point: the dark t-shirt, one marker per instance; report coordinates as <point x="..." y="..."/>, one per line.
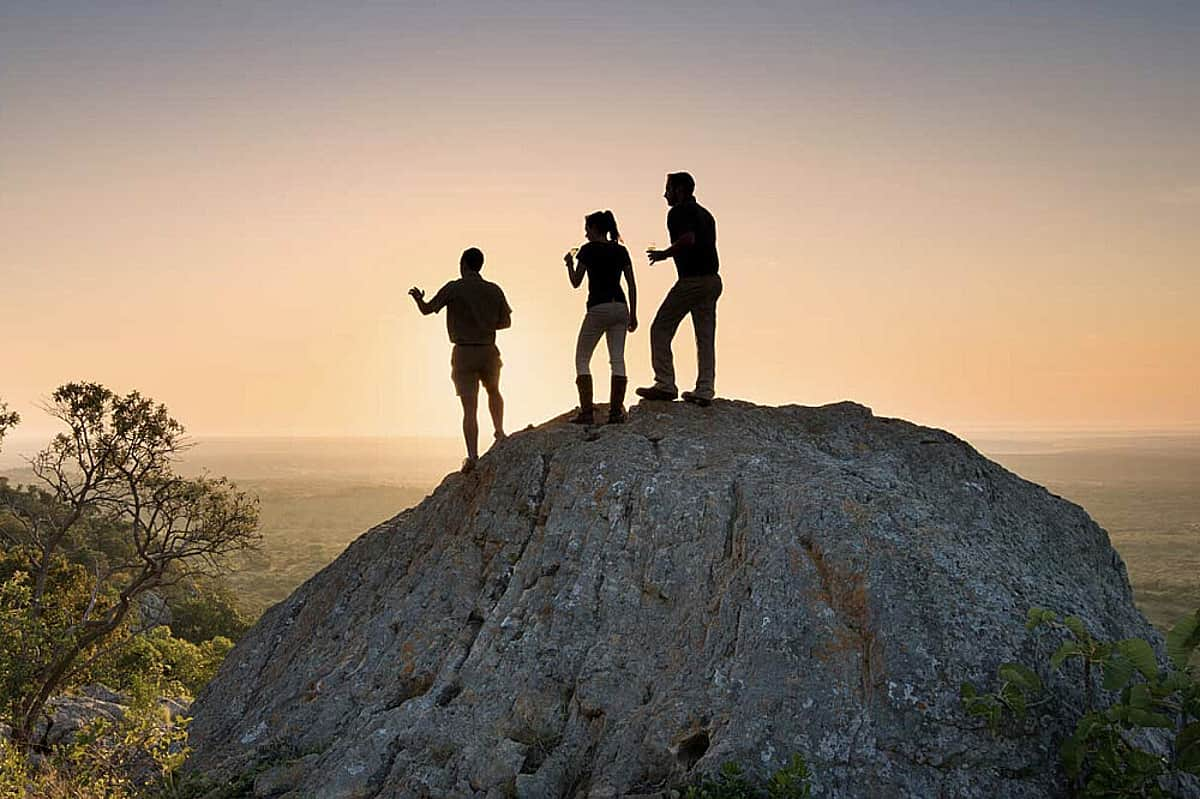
<point x="700" y="258"/>
<point x="475" y="310"/>
<point x="604" y="261"/>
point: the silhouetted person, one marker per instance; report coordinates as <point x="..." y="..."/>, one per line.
<point x="694" y="247"/>
<point x="604" y="259"/>
<point x="475" y="310"/>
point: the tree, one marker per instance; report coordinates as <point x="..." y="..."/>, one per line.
<point x="8" y="419"/>
<point x="108" y="522"/>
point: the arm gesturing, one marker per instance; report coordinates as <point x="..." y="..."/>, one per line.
<point x="682" y="243"/>
<point x="419" y="297"/>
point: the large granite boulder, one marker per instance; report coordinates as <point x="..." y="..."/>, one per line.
<point x="605" y="612"/>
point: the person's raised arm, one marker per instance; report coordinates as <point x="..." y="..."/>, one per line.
<point x="418" y="296"/>
<point x="575" y="270"/>
<point x="431" y="306"/>
<point x="632" y="283"/>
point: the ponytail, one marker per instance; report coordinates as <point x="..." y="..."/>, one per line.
<point x="606" y="222"/>
<point x="613" y="233"/>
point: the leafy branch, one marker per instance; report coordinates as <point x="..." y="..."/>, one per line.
<point x="1103" y="757"/>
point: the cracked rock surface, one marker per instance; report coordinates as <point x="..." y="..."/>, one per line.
<point x="604" y="612"/>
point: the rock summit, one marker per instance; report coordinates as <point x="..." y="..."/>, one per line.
<point x="606" y="612"/>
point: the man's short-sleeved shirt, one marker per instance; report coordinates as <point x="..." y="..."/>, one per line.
<point x="604" y="261"/>
<point x="701" y="258"/>
<point x="475" y="310"/>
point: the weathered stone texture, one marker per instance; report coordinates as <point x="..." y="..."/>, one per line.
<point x="600" y="613"/>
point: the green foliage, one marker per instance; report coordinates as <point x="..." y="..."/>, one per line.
<point x="789" y="782"/>
<point x="29" y="639"/>
<point x="137" y="757"/>
<point x="1183" y="639"/>
<point x="1018" y="686"/>
<point x="129" y="657"/>
<point x="143" y="750"/>
<point x="1101" y="756"/>
<point x="172" y="666"/>
<point x="202" y="610"/>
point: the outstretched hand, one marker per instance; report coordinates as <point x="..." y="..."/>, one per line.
<point x="656" y="255"/>
<point x="416" y="293"/>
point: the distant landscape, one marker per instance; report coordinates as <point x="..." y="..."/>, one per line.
<point x="319" y="494"/>
<point x="1143" y="488"/>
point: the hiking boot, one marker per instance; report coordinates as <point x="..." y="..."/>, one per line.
<point x="616" y="400"/>
<point x="696" y="399"/>
<point x="586" y="414"/>
<point x="656" y="393"/>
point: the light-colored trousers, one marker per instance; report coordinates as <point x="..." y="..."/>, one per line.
<point x="608" y="319"/>
<point x="697" y="296"/>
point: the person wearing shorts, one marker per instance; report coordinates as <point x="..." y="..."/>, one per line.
<point x="475" y="310"/>
<point x="604" y="260"/>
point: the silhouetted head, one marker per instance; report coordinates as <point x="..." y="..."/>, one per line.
<point x="601" y="226"/>
<point x="680" y="187"/>
<point x="471" y="261"/>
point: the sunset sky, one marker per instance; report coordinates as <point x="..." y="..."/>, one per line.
<point x="968" y="214"/>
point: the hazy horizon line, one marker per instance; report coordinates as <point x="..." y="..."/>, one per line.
<point x="1002" y="429"/>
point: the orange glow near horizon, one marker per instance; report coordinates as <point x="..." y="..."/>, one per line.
<point x="986" y="242"/>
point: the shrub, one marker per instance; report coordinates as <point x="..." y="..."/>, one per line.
<point x="1104" y="756"/>
<point x="789" y="782"/>
<point x="137" y="756"/>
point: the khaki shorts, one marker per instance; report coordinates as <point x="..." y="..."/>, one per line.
<point x="471" y="365"/>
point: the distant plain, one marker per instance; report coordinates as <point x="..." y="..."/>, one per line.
<point x="319" y="494"/>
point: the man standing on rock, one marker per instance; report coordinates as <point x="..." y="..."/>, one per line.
<point x="475" y="310"/>
<point x="694" y="247"/>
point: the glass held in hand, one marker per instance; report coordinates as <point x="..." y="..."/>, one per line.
<point x="651" y="248"/>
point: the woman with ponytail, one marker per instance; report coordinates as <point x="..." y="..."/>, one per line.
<point x="603" y="259"/>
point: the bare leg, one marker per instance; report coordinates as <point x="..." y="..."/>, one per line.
<point x="496" y="408"/>
<point x="470" y="428"/>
